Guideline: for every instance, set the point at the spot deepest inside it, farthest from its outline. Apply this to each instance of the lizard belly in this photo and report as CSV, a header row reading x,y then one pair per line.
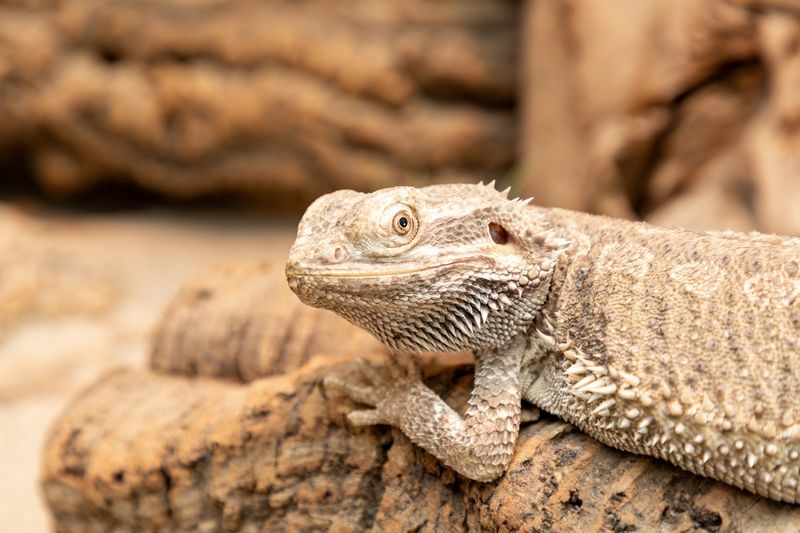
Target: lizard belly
x,y
611,406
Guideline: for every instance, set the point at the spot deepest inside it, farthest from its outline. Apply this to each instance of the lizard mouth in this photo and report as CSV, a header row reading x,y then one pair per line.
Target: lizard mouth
x,y
383,273
371,274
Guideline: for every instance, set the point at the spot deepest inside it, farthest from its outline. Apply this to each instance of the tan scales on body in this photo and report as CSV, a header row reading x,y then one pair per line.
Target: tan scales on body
x,y
671,343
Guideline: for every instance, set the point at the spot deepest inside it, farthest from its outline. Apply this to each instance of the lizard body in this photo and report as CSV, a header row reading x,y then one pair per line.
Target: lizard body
x,y
666,342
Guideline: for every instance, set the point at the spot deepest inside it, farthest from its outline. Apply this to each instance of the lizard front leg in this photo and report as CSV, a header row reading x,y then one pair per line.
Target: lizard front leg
x,y
479,445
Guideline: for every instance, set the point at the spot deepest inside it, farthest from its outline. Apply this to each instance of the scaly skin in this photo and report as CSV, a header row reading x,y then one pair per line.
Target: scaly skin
x,y
671,343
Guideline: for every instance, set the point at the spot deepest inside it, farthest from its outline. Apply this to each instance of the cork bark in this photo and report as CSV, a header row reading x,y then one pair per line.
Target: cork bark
x,y
242,322
243,445
277,101
681,112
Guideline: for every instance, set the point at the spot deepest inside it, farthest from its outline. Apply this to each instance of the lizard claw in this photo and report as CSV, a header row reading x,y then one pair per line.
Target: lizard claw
x,y
403,366
385,387
370,372
366,417
357,393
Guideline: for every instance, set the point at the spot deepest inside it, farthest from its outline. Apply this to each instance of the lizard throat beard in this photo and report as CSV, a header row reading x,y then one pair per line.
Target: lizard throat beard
x,y
436,309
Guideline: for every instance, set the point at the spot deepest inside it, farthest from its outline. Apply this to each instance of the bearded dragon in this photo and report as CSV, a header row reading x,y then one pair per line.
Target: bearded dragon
x,y
672,343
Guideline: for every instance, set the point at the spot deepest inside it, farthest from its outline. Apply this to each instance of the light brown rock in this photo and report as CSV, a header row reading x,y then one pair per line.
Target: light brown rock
x,y
607,90
774,141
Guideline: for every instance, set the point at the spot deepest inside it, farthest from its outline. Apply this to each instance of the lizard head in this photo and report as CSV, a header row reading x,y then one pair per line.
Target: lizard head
x,y
441,268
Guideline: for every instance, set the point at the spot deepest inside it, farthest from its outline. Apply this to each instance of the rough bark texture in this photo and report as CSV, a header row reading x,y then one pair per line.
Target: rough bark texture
x,y
242,322
683,112
144,449
282,99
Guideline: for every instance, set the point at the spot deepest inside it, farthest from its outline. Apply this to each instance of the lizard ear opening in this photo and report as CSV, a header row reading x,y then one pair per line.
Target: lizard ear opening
x,y
498,233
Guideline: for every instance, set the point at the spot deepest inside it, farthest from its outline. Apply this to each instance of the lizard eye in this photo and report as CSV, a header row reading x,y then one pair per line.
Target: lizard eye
x,y
404,223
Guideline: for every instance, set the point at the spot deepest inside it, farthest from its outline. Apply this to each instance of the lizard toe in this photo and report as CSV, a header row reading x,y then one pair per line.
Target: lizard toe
x,y
357,393
366,417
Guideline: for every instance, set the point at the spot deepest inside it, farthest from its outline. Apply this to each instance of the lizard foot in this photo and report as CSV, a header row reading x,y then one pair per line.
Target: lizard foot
x,y
389,389
478,445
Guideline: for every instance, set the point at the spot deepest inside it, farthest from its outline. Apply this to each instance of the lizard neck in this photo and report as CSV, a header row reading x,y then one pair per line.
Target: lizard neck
x,y
568,226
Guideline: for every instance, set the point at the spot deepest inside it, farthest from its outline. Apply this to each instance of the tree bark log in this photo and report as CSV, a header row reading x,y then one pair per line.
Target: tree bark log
x,y
144,450
284,101
680,112
242,322
150,449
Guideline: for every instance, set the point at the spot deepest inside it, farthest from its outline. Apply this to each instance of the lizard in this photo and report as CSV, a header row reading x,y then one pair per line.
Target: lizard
x,y
672,343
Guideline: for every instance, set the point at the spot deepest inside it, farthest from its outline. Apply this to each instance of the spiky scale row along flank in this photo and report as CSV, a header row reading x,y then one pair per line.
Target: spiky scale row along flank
x,y
671,343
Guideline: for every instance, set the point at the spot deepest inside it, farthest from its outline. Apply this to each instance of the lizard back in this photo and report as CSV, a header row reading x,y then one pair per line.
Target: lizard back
x,y
683,345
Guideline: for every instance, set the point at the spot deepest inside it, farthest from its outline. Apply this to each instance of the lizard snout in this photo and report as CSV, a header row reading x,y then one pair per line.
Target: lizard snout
x,y
306,259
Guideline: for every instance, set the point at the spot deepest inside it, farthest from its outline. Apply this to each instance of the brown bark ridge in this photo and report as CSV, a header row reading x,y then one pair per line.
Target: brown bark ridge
x,y
283,100
654,109
157,450
241,322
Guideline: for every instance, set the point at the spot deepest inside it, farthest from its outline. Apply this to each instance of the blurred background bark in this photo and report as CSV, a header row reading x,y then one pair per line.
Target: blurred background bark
x,y
681,112
281,100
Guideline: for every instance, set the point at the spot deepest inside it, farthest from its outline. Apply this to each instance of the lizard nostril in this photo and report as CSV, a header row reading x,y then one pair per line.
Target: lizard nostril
x,y
338,254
